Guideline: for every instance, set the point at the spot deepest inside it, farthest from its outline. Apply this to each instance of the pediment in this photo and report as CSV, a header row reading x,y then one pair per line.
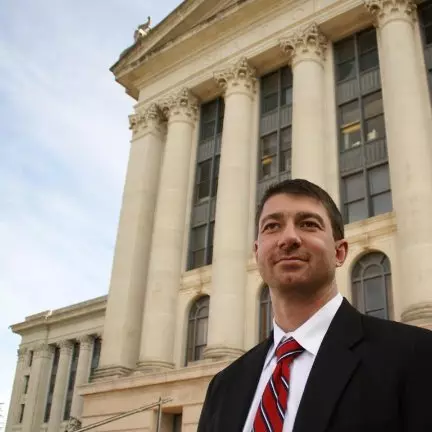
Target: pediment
x,y
187,16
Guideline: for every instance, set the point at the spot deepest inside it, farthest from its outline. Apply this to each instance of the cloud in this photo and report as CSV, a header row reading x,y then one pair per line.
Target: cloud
x,y
63,153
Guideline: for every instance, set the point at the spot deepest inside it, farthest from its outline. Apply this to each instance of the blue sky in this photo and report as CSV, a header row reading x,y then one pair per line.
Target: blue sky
x,y
64,143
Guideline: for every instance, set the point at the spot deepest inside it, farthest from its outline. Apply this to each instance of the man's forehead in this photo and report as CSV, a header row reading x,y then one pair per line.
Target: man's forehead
x,y
292,204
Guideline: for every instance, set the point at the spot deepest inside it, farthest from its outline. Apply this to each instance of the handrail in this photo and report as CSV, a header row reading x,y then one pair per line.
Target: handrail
x,y
127,414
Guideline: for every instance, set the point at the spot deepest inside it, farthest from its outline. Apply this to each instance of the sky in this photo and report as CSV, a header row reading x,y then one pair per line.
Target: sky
x,y
64,143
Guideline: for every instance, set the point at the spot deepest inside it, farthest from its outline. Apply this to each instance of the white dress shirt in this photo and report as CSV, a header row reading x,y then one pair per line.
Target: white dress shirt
x,y
310,336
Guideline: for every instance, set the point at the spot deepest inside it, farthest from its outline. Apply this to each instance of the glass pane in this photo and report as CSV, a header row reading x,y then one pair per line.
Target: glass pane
x,y
344,50
285,137
356,211
199,351
285,161
204,169
207,130
345,71
375,293
367,41
381,313
358,296
375,128
201,336
268,167
287,78
198,238
426,14
350,137
211,233
369,60
428,35
198,258
269,145
208,111
350,113
354,187
270,102
382,203
286,96
270,83
379,180
203,190
373,105
372,271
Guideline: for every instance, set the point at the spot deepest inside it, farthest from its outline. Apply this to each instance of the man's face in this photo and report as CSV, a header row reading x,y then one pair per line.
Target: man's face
x,y
295,248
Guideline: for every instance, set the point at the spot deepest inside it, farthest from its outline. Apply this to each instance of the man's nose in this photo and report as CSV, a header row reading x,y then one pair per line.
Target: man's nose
x,y
289,237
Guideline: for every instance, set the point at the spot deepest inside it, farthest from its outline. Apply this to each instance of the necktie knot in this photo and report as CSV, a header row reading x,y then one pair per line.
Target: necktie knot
x,y
288,349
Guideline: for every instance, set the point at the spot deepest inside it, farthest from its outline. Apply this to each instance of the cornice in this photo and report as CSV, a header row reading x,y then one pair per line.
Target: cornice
x,y
47,318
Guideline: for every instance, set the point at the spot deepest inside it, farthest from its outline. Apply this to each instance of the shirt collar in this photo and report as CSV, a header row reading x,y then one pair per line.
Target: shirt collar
x,y
311,333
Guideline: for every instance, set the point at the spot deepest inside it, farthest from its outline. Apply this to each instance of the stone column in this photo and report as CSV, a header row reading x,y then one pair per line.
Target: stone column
x,y
82,373
38,388
410,153
60,386
17,390
231,246
123,319
305,49
157,340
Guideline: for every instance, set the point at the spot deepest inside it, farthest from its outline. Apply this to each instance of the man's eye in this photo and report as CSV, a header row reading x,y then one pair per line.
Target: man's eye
x,y
271,226
309,224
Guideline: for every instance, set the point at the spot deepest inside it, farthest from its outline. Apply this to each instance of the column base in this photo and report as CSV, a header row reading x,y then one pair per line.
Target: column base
x,y
110,372
218,352
419,315
152,366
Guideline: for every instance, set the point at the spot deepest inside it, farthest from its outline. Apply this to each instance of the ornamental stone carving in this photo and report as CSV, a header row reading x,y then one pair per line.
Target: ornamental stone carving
x,y
66,347
21,353
385,11
307,43
149,118
241,76
86,342
181,106
43,350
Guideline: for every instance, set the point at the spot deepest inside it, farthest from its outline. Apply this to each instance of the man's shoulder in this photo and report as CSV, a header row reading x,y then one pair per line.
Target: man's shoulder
x,y
389,332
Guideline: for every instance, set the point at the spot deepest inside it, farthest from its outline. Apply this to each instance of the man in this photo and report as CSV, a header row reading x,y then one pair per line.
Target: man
x,y
325,367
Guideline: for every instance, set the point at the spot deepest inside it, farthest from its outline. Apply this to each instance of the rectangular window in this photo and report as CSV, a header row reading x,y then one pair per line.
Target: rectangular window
x,y
206,184
52,384
274,158
71,383
363,160
26,383
30,358
21,414
97,346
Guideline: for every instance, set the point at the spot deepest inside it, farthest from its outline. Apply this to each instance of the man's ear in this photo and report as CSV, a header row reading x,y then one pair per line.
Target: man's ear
x,y
255,249
341,252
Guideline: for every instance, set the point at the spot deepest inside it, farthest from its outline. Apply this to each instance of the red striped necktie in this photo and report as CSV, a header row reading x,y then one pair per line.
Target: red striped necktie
x,y
270,415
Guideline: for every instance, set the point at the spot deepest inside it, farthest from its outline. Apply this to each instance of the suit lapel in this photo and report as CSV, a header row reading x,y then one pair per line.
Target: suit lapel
x,y
239,399
333,367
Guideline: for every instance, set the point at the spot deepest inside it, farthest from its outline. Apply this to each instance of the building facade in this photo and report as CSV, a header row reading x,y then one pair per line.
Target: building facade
x,y
233,96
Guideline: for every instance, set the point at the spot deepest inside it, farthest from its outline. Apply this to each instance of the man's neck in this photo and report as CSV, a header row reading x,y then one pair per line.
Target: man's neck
x,y
291,310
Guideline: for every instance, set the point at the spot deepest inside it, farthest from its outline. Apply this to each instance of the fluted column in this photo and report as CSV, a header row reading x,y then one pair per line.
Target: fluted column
x,y
410,153
38,388
123,319
164,275
231,246
82,373
17,389
305,49
60,386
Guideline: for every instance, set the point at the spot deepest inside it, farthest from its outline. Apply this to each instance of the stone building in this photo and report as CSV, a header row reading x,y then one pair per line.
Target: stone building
x,y
231,96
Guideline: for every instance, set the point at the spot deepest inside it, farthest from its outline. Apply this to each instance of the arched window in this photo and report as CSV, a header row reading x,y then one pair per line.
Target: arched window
x,y
371,285
265,314
197,329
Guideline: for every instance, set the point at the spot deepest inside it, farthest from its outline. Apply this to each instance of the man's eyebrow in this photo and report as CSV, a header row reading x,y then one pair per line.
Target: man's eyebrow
x,y
275,216
307,215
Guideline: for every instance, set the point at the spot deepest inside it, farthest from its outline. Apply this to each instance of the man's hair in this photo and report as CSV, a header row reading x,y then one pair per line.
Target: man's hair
x,y
305,188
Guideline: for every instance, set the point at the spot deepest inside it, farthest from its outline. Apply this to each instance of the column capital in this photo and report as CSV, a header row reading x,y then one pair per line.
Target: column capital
x,y
237,78
146,120
307,43
181,106
21,353
86,341
385,11
65,346
43,350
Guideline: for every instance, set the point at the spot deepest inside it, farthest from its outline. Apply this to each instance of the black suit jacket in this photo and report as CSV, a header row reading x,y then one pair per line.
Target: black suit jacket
x,y
370,375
